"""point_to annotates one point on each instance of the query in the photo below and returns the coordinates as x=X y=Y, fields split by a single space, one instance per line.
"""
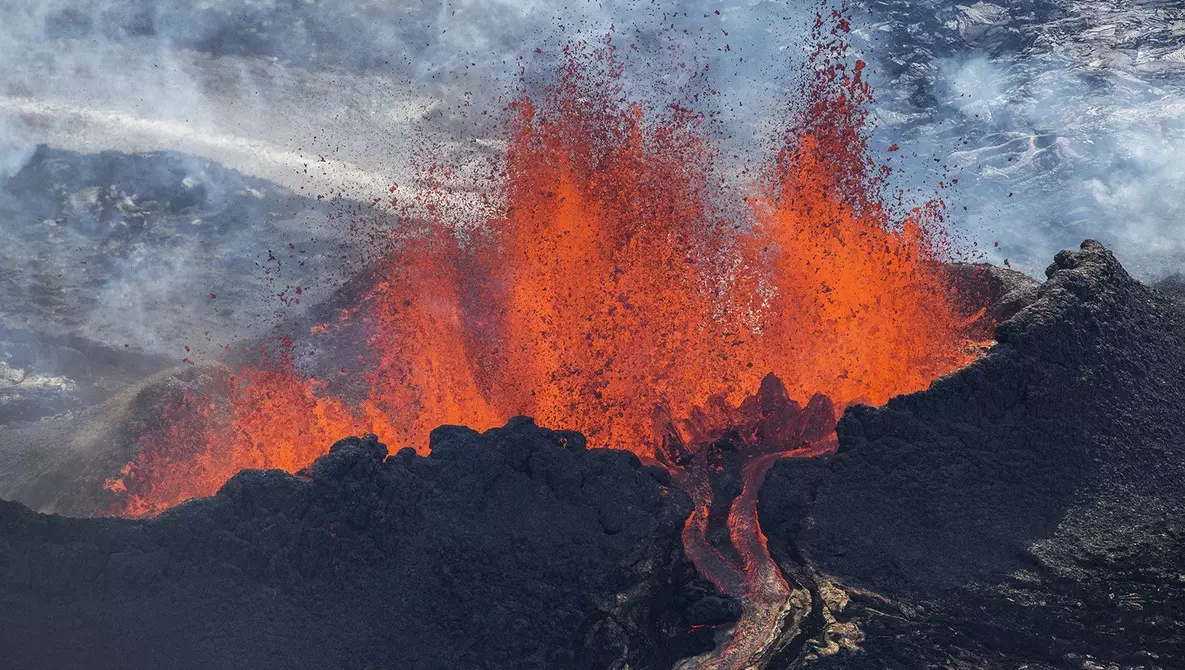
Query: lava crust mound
x=1026 y=511
x=518 y=547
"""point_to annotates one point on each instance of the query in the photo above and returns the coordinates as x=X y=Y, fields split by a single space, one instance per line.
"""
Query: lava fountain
x=618 y=294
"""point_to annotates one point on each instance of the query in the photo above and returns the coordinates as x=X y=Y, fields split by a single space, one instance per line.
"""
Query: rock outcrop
x=517 y=547
x=988 y=295
x=1027 y=511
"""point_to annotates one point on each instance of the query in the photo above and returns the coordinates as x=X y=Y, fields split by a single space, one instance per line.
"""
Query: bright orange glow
x=264 y=400
x=860 y=311
x=424 y=374
x=614 y=285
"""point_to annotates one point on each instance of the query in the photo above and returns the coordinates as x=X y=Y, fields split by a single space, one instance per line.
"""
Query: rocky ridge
x=1027 y=511
x=518 y=547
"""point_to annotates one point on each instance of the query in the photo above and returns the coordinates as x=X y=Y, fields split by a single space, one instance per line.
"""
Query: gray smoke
x=1061 y=119
x=313 y=97
x=184 y=142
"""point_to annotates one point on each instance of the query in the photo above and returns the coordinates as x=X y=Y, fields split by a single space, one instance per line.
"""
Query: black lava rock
x=1027 y=511
x=987 y=295
x=514 y=548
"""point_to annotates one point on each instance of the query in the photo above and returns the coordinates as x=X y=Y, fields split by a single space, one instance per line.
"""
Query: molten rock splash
x=618 y=294
x=616 y=281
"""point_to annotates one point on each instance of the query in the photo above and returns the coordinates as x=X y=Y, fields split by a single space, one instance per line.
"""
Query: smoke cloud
x=1061 y=122
x=224 y=119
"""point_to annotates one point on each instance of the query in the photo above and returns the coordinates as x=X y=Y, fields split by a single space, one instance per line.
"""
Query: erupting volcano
x=625 y=292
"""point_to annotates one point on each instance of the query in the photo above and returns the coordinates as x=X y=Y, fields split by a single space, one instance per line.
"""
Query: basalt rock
x=1173 y=285
x=1027 y=511
x=987 y=295
x=514 y=548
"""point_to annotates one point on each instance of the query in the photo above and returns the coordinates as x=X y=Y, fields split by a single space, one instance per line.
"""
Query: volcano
x=615 y=280
x=617 y=290
x=625 y=407
x=1023 y=511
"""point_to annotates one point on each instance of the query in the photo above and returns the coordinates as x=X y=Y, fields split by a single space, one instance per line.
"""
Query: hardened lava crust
x=1026 y=511
x=517 y=547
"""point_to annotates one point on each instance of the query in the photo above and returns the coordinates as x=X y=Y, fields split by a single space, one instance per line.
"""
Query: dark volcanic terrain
x=514 y=548
x=1027 y=511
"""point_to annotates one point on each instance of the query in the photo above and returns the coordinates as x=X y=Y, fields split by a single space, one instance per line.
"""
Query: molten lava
x=618 y=295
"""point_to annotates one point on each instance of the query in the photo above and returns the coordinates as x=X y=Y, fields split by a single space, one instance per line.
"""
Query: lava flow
x=618 y=295
x=728 y=450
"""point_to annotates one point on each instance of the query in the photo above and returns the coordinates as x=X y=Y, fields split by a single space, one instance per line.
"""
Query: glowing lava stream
x=757 y=581
x=722 y=448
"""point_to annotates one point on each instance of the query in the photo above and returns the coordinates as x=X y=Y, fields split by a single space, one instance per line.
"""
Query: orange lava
x=616 y=281
x=859 y=310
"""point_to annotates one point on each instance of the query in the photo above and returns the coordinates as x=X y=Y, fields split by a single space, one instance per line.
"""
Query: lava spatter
x=618 y=294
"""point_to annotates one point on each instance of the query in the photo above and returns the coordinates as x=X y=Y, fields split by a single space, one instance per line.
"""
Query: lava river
x=620 y=290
